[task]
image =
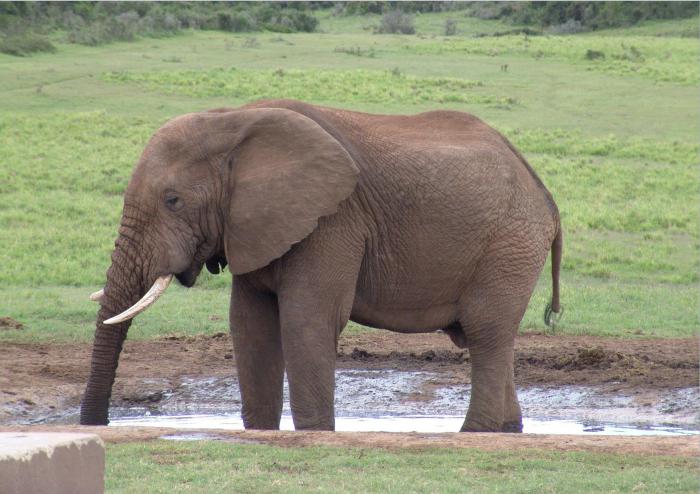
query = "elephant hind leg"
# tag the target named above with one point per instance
(490, 314)
(512, 415)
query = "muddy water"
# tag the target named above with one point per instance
(371, 400)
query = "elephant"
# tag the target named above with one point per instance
(409, 223)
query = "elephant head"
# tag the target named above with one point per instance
(226, 186)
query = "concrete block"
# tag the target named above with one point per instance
(51, 462)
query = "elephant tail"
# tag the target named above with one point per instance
(554, 311)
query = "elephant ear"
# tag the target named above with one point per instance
(287, 173)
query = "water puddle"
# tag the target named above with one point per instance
(395, 401)
(397, 424)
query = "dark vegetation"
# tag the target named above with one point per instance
(585, 15)
(25, 27)
(564, 16)
(28, 27)
(396, 22)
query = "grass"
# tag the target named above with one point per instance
(676, 28)
(659, 59)
(349, 86)
(199, 466)
(616, 146)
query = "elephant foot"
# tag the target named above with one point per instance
(315, 426)
(472, 426)
(263, 418)
(515, 426)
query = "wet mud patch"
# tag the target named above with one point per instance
(581, 378)
(401, 401)
(8, 323)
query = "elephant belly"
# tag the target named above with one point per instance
(404, 320)
(421, 299)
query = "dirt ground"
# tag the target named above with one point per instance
(40, 380)
(649, 446)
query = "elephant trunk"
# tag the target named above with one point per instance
(94, 408)
(124, 287)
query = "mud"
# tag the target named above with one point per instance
(558, 377)
(8, 323)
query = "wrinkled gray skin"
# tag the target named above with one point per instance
(408, 223)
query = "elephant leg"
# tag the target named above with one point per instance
(257, 345)
(316, 294)
(490, 315)
(512, 416)
(489, 382)
(310, 352)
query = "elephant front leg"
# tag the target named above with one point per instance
(310, 351)
(257, 345)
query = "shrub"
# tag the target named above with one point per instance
(571, 26)
(93, 23)
(396, 22)
(23, 44)
(591, 15)
(251, 42)
(124, 27)
(355, 50)
(450, 27)
(288, 21)
(236, 22)
(159, 23)
(594, 55)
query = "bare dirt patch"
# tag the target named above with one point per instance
(664, 446)
(9, 323)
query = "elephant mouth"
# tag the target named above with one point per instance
(214, 264)
(189, 276)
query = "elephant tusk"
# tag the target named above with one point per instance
(98, 295)
(159, 286)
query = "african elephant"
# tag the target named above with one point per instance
(408, 223)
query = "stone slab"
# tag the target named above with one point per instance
(51, 462)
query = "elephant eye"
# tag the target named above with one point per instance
(173, 203)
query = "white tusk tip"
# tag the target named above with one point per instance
(97, 296)
(146, 301)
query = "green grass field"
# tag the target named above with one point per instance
(614, 138)
(170, 467)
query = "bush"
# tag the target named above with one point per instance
(94, 23)
(356, 50)
(569, 27)
(124, 27)
(450, 27)
(594, 55)
(121, 27)
(23, 44)
(287, 21)
(234, 22)
(159, 23)
(591, 15)
(396, 22)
